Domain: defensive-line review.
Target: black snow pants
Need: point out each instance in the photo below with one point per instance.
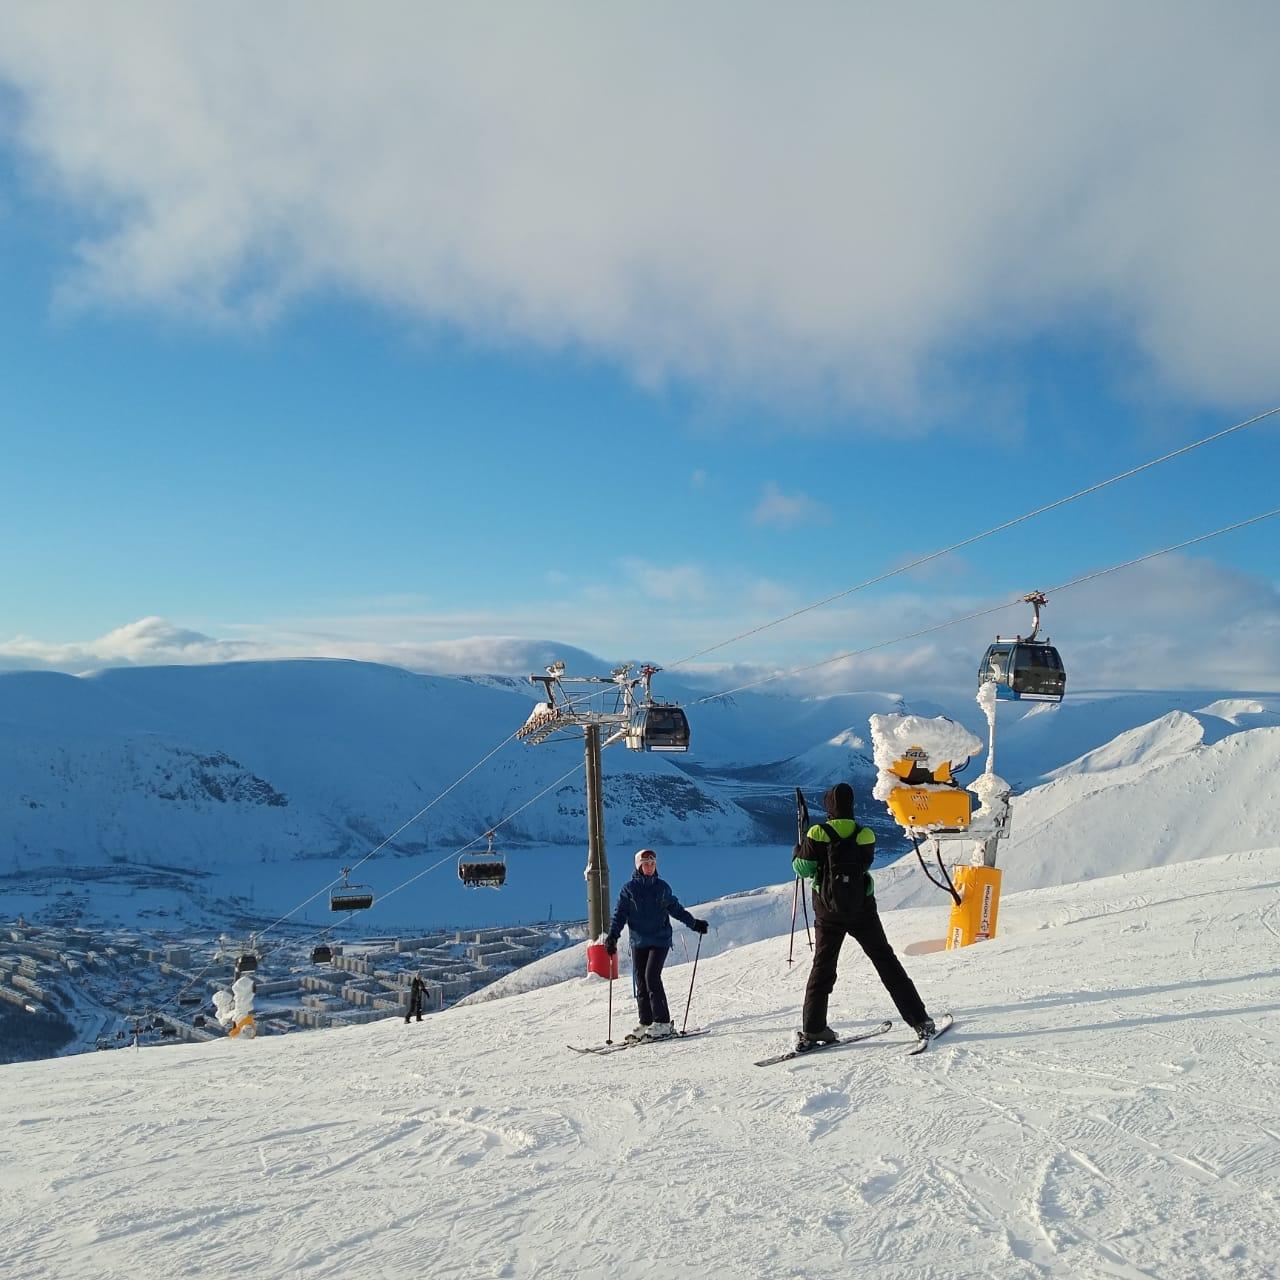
(651, 996)
(868, 932)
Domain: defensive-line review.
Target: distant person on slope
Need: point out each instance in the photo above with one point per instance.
(836, 855)
(417, 991)
(645, 906)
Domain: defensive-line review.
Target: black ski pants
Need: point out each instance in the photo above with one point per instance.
(651, 996)
(868, 932)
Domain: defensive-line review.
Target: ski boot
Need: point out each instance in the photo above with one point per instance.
(806, 1040)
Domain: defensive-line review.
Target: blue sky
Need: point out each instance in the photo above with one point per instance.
(395, 380)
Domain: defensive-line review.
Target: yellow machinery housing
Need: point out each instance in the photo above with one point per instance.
(974, 918)
(930, 799)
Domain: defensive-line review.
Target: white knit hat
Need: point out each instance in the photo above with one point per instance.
(640, 855)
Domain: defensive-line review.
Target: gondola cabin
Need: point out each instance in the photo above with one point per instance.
(322, 955)
(657, 726)
(1024, 669)
(246, 963)
(487, 870)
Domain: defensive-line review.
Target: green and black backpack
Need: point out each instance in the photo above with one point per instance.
(844, 883)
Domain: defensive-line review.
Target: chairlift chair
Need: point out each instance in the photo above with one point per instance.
(483, 870)
(1025, 668)
(350, 897)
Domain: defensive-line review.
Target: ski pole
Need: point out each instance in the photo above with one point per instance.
(804, 902)
(693, 975)
(795, 897)
(608, 1039)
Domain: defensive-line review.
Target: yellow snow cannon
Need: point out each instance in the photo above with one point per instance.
(930, 799)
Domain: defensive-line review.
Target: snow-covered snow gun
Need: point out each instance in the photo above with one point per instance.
(797, 894)
(917, 759)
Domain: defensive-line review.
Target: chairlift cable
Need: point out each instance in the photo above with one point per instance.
(977, 537)
(577, 768)
(319, 893)
(258, 934)
(981, 613)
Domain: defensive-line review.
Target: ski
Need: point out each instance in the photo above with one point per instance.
(817, 1048)
(602, 1050)
(943, 1023)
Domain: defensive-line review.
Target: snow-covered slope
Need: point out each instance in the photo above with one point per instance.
(1155, 795)
(1105, 1106)
(1037, 738)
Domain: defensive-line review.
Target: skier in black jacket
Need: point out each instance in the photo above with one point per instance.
(416, 993)
(836, 855)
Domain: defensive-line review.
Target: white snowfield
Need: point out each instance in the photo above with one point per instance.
(1106, 1106)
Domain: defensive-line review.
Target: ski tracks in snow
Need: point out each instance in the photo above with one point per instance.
(1103, 1108)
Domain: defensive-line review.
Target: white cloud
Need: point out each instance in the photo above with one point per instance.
(148, 641)
(841, 203)
(672, 583)
(1195, 624)
(788, 509)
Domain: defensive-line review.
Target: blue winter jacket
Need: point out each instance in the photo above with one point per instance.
(644, 905)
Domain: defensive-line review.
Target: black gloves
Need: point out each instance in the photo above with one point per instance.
(611, 945)
(699, 926)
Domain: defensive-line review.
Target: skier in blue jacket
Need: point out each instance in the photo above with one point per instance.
(646, 906)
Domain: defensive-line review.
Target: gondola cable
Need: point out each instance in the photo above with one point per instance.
(977, 537)
(982, 613)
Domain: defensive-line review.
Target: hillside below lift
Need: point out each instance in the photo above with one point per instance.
(350, 897)
(487, 869)
(637, 718)
(1025, 667)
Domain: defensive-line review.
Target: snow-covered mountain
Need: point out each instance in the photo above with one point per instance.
(233, 775)
(198, 792)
